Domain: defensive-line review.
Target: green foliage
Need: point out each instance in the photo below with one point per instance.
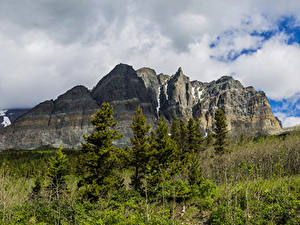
(260, 202)
(164, 148)
(56, 175)
(194, 136)
(209, 139)
(221, 132)
(183, 136)
(175, 133)
(164, 153)
(37, 187)
(138, 156)
(100, 158)
(179, 181)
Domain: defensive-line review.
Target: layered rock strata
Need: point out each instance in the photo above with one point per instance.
(66, 120)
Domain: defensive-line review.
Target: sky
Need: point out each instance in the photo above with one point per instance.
(49, 46)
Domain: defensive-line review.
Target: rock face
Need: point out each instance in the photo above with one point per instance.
(52, 123)
(65, 120)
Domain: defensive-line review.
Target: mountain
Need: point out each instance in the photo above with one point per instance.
(8, 116)
(65, 120)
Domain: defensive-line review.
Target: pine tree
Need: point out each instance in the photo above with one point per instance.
(221, 132)
(175, 134)
(194, 136)
(100, 158)
(183, 136)
(194, 170)
(56, 174)
(163, 154)
(138, 157)
(209, 139)
(164, 147)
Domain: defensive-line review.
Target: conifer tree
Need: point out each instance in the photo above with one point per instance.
(56, 174)
(163, 154)
(182, 136)
(164, 147)
(99, 157)
(209, 139)
(194, 136)
(194, 171)
(221, 132)
(175, 134)
(138, 157)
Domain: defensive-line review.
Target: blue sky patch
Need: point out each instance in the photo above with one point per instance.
(286, 25)
(290, 106)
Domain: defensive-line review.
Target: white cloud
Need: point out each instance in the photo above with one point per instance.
(288, 121)
(50, 46)
(273, 68)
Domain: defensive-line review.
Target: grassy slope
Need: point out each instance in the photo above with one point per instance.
(258, 183)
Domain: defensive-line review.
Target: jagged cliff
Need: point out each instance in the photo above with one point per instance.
(65, 120)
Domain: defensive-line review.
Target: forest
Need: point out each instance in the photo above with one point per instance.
(168, 174)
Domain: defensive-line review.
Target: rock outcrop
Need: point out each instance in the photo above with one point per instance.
(52, 123)
(65, 120)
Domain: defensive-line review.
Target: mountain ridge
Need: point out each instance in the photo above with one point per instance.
(65, 120)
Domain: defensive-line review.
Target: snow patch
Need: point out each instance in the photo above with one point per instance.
(2, 112)
(200, 94)
(166, 88)
(193, 92)
(6, 122)
(158, 102)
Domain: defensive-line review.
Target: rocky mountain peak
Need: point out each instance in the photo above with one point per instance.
(121, 83)
(122, 69)
(65, 120)
(75, 92)
(179, 74)
(227, 82)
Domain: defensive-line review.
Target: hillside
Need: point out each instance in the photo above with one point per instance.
(258, 183)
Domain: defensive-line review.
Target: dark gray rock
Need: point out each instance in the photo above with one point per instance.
(65, 120)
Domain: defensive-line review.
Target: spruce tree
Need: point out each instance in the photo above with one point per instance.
(164, 147)
(175, 134)
(221, 133)
(183, 136)
(100, 157)
(138, 156)
(194, 136)
(209, 139)
(163, 154)
(56, 174)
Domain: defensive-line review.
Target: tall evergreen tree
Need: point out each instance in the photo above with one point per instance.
(175, 134)
(99, 157)
(164, 147)
(138, 157)
(183, 136)
(221, 133)
(194, 136)
(56, 174)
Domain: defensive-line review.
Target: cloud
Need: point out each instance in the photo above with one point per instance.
(49, 46)
(288, 121)
(273, 68)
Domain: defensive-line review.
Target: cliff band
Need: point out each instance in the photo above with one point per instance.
(66, 120)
